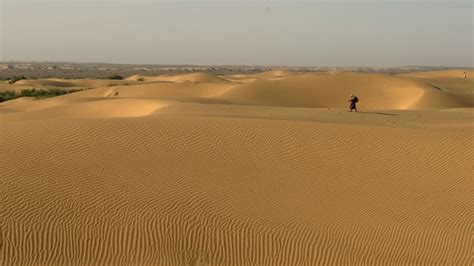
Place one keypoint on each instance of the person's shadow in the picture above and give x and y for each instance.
(377, 113)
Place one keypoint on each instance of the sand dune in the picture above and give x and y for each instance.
(90, 108)
(12, 87)
(277, 73)
(456, 73)
(266, 169)
(320, 91)
(195, 78)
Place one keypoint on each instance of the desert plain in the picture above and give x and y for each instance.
(248, 169)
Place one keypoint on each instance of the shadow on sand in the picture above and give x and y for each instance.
(377, 113)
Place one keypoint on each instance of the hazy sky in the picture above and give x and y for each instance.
(310, 33)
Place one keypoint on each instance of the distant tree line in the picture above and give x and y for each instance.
(15, 79)
(12, 80)
(117, 77)
(35, 93)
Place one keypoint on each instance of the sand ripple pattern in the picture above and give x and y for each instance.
(228, 191)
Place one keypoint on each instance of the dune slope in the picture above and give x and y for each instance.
(375, 92)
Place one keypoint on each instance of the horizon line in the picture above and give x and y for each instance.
(226, 65)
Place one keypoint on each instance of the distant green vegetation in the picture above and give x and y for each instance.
(8, 95)
(36, 93)
(15, 79)
(140, 79)
(118, 77)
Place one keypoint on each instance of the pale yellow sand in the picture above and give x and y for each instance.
(271, 170)
(456, 73)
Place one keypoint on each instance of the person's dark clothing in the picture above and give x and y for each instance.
(353, 106)
(353, 101)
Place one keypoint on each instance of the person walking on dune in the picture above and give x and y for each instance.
(353, 103)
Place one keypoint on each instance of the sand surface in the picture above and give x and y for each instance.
(265, 169)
